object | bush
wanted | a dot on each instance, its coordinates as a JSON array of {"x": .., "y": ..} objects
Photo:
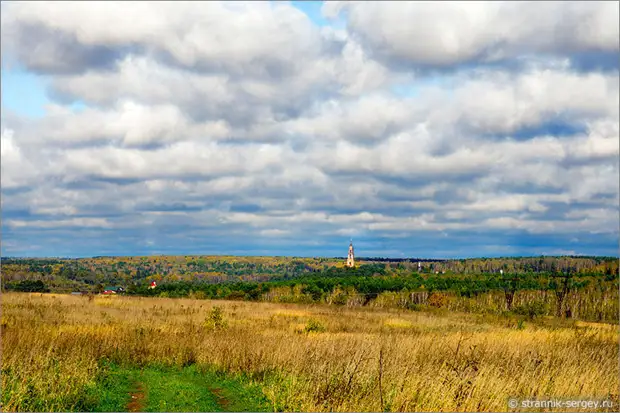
[
  {"x": 314, "y": 326},
  {"x": 236, "y": 295},
  {"x": 315, "y": 292},
  {"x": 415, "y": 307},
  {"x": 30, "y": 286},
  {"x": 438, "y": 300},
  {"x": 198, "y": 295},
  {"x": 532, "y": 309},
  {"x": 215, "y": 320}
]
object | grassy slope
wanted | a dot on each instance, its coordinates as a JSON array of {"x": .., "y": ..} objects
[
  {"x": 160, "y": 389},
  {"x": 432, "y": 360}
]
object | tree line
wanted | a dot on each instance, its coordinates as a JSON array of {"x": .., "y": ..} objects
[{"x": 560, "y": 290}]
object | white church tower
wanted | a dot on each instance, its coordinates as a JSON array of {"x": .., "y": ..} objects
[{"x": 351, "y": 256}]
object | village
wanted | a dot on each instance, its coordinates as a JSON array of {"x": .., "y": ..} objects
[
  {"x": 118, "y": 290},
  {"x": 111, "y": 290}
]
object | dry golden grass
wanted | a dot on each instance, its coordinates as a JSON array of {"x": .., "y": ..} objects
[{"x": 430, "y": 362}]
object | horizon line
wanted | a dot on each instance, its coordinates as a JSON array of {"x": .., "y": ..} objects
[{"x": 361, "y": 258}]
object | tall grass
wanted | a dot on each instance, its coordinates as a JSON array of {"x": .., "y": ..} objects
[
  {"x": 305, "y": 357},
  {"x": 595, "y": 303}
]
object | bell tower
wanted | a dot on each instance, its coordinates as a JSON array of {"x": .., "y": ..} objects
[{"x": 351, "y": 256}]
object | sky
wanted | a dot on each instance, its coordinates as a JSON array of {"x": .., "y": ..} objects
[{"x": 417, "y": 129}]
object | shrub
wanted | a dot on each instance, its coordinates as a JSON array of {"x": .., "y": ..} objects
[
  {"x": 314, "y": 326},
  {"x": 531, "y": 309},
  {"x": 215, "y": 320},
  {"x": 200, "y": 295},
  {"x": 31, "y": 286},
  {"x": 415, "y": 307},
  {"x": 236, "y": 295},
  {"x": 438, "y": 300}
]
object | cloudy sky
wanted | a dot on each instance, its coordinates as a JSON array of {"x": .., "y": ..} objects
[{"x": 421, "y": 129}]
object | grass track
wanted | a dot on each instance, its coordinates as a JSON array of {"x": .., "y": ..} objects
[{"x": 169, "y": 389}]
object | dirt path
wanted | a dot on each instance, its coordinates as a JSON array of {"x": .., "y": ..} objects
[
  {"x": 221, "y": 399},
  {"x": 136, "y": 404},
  {"x": 174, "y": 389}
]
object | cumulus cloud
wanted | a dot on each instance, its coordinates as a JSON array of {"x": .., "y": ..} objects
[
  {"x": 17, "y": 169},
  {"x": 268, "y": 37},
  {"x": 427, "y": 34},
  {"x": 245, "y": 128}
]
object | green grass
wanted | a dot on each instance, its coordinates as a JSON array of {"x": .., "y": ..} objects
[{"x": 174, "y": 389}]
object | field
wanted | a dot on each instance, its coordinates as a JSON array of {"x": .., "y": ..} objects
[
  {"x": 98, "y": 353},
  {"x": 578, "y": 288}
]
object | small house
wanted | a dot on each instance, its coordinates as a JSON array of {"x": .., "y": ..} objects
[{"x": 113, "y": 290}]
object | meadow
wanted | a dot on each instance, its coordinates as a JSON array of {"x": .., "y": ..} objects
[
  {"x": 102, "y": 353},
  {"x": 579, "y": 288}
]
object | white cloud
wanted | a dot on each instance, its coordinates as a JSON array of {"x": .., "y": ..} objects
[
  {"x": 267, "y": 36},
  {"x": 16, "y": 169},
  {"x": 448, "y": 33},
  {"x": 74, "y": 222}
]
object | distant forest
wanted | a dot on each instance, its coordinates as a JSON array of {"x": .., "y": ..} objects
[
  {"x": 575, "y": 287},
  {"x": 90, "y": 274}
]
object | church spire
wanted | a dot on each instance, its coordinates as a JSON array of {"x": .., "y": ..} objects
[{"x": 351, "y": 256}]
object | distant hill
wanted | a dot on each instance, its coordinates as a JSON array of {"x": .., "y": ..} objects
[{"x": 89, "y": 273}]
